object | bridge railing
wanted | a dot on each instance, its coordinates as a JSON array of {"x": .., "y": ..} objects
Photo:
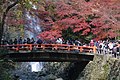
[{"x": 67, "y": 47}]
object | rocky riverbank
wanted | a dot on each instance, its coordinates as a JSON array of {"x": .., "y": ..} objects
[{"x": 101, "y": 68}]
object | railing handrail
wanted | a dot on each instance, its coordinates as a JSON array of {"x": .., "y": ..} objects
[{"x": 54, "y": 46}]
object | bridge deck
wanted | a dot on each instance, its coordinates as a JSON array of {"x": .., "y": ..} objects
[
  {"x": 48, "y": 52},
  {"x": 48, "y": 56}
]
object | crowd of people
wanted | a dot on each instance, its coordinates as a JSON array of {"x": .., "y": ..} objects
[
  {"x": 21, "y": 41},
  {"x": 107, "y": 47},
  {"x": 103, "y": 47},
  {"x": 38, "y": 41}
]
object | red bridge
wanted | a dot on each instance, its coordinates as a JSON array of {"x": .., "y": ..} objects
[{"x": 47, "y": 52}]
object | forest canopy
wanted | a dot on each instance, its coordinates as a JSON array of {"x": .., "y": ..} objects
[{"x": 85, "y": 19}]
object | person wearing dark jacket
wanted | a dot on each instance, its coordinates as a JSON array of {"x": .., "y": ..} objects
[
  {"x": 24, "y": 41},
  {"x": 3, "y": 42},
  {"x": 10, "y": 42},
  {"x": 39, "y": 41},
  {"x": 15, "y": 41},
  {"x": 32, "y": 41},
  {"x": 28, "y": 40},
  {"x": 20, "y": 40}
]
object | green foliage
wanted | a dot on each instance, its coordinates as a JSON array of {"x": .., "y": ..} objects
[
  {"x": 67, "y": 34},
  {"x": 28, "y": 5},
  {"x": 70, "y": 35},
  {"x": 118, "y": 37},
  {"x": 5, "y": 67}
]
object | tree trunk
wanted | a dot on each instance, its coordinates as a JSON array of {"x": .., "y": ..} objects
[{"x": 4, "y": 17}]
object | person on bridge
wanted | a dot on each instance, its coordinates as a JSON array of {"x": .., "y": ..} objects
[
  {"x": 39, "y": 41},
  {"x": 28, "y": 41},
  {"x": 115, "y": 50},
  {"x": 15, "y": 41},
  {"x": 91, "y": 43},
  {"x": 59, "y": 41},
  {"x": 10, "y": 42},
  {"x": 67, "y": 42},
  {"x": 3, "y": 42},
  {"x": 110, "y": 45},
  {"x": 101, "y": 47},
  {"x": 118, "y": 49},
  {"x": 24, "y": 41},
  {"x": 78, "y": 43},
  {"x": 20, "y": 40},
  {"x": 32, "y": 41}
]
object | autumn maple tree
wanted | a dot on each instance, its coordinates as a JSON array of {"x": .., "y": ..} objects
[
  {"x": 88, "y": 19},
  {"x": 76, "y": 19}
]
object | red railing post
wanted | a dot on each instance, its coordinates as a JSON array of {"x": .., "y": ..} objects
[
  {"x": 68, "y": 47},
  {"x": 42, "y": 46},
  {"x": 81, "y": 49},
  {"x": 55, "y": 46},
  {"x": 17, "y": 47},
  {"x": 30, "y": 45},
  {"x": 94, "y": 49}
]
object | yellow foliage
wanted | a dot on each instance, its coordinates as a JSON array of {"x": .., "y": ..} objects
[{"x": 19, "y": 14}]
